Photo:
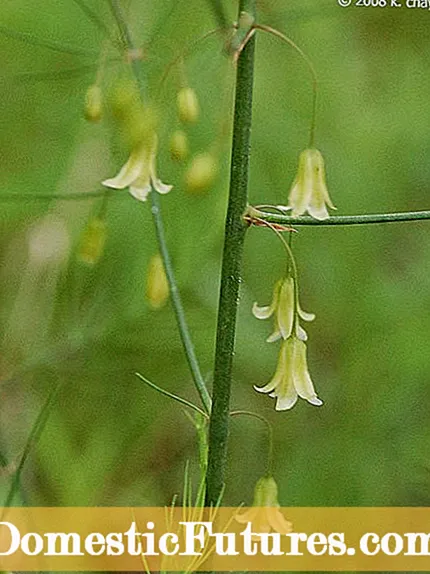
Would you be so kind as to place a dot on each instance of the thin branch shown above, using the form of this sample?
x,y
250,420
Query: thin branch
x,y
93,17
177,305
34,436
49,44
78,196
310,65
171,395
338,219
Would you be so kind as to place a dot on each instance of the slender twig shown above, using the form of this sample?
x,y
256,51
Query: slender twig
x,y
78,196
127,40
159,227
338,219
34,436
49,44
171,395
231,267
177,305
93,17
308,62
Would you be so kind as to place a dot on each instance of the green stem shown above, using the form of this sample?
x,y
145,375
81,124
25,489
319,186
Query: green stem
x,y
171,395
177,305
78,196
127,41
235,229
34,436
159,228
287,220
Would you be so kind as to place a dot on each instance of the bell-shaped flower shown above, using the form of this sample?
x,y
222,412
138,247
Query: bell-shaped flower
x,y
309,191
265,515
282,308
139,173
291,379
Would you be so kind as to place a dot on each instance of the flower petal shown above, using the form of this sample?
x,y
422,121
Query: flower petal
x,y
306,316
140,193
275,336
285,310
301,333
277,377
277,521
130,171
262,312
161,187
302,380
268,310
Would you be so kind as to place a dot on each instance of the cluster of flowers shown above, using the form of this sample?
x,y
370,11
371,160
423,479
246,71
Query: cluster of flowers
x,y
291,379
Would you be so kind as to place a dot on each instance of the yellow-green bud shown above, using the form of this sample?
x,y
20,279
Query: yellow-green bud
x,y
188,106
125,99
179,145
93,109
201,173
157,286
92,242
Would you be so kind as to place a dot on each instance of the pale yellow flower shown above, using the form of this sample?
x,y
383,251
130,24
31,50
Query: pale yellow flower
x,y
309,191
291,379
265,514
139,173
282,308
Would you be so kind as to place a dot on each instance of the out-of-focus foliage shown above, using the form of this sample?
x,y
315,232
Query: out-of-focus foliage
x,y
111,440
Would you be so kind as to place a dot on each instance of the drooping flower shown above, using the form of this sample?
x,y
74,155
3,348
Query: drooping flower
x,y
282,307
139,173
265,514
291,379
309,191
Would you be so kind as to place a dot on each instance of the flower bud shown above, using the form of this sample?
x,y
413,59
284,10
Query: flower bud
x,y
137,122
201,173
179,145
93,104
124,99
157,287
92,242
188,106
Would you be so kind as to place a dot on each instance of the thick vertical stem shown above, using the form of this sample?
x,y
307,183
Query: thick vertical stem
x,y
231,268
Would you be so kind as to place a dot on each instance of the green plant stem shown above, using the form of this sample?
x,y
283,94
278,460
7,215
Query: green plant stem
x,y
127,41
159,228
171,395
79,196
235,229
34,436
287,220
177,305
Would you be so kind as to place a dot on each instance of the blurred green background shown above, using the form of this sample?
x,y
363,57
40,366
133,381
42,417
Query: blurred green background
x,y
110,440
